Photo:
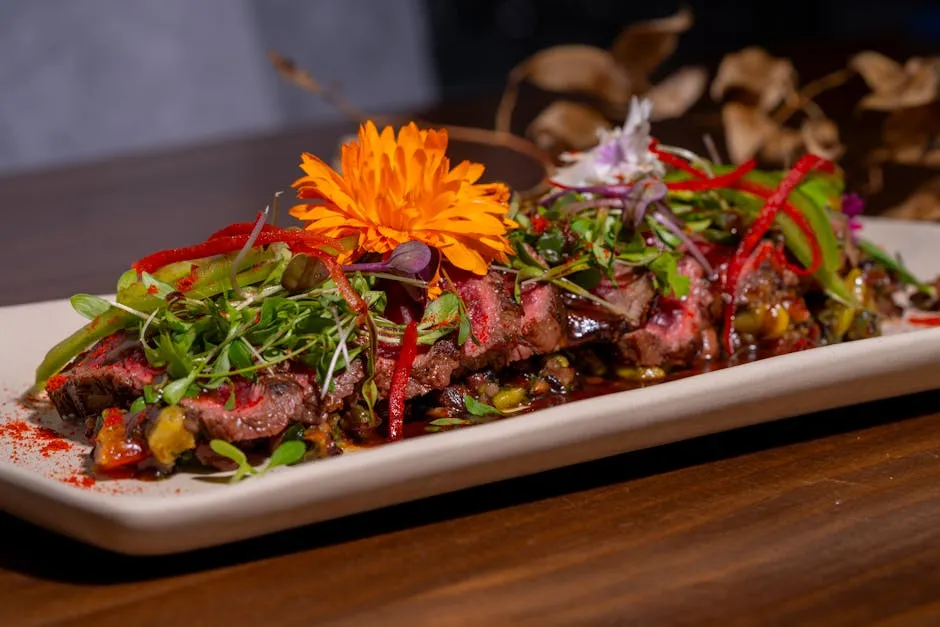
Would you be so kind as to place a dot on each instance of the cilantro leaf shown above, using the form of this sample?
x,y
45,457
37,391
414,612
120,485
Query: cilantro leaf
x,y
665,269
230,451
89,306
478,408
289,452
176,390
447,422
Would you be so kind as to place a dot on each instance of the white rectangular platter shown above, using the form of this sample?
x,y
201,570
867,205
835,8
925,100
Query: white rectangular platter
x,y
41,476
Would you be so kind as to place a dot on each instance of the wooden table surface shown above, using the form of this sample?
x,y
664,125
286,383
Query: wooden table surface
x,y
830,519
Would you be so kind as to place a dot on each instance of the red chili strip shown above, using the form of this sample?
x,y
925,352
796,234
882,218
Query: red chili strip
x,y
925,321
228,244
723,180
772,205
678,163
396,394
797,216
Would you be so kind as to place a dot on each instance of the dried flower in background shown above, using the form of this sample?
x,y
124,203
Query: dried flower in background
x,y
768,80
567,124
504,139
821,137
609,78
923,204
749,131
643,46
894,86
673,95
765,112
761,96
910,95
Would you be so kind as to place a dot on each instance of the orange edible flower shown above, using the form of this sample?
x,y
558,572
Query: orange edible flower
x,y
393,190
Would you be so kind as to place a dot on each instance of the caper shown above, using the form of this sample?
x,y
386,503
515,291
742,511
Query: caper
x,y
304,273
509,398
640,374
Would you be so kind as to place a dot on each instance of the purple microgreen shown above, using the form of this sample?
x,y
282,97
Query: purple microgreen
x,y
712,149
853,205
662,215
601,190
410,258
638,200
590,203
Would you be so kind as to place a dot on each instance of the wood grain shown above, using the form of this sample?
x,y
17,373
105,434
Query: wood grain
x,y
830,519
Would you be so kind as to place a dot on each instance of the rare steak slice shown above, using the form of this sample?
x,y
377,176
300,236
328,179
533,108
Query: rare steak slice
x,y
112,373
259,409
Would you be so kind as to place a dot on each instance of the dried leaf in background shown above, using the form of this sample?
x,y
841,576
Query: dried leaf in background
x,y
641,47
565,125
611,77
923,204
821,137
911,136
678,92
578,69
769,79
894,87
750,131
571,69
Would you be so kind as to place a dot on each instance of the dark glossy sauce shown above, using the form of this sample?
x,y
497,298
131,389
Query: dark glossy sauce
x,y
588,387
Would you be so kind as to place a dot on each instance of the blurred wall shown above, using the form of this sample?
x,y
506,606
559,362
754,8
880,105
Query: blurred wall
x,y
86,79
95,78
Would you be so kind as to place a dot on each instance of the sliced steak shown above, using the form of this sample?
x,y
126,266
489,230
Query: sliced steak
x,y
262,409
503,332
630,291
678,328
112,373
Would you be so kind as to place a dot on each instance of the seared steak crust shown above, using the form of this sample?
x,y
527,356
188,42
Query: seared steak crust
x,y
648,330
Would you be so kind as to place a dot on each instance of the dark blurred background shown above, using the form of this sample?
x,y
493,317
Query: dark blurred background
x,y
90,79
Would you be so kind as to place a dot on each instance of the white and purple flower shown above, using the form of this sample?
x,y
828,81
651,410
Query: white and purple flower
x,y
621,155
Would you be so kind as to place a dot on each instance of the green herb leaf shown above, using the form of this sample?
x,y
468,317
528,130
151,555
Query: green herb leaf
x,y
665,269
89,306
447,422
588,279
230,401
177,389
463,330
478,408
150,395
441,316
160,289
230,451
240,356
289,452
550,245
138,405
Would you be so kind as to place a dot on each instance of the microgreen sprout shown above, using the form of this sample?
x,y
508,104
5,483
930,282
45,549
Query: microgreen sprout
x,y
255,232
479,408
410,258
289,452
235,454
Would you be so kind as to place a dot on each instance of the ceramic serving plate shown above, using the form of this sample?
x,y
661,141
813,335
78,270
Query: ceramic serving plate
x,y
42,461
